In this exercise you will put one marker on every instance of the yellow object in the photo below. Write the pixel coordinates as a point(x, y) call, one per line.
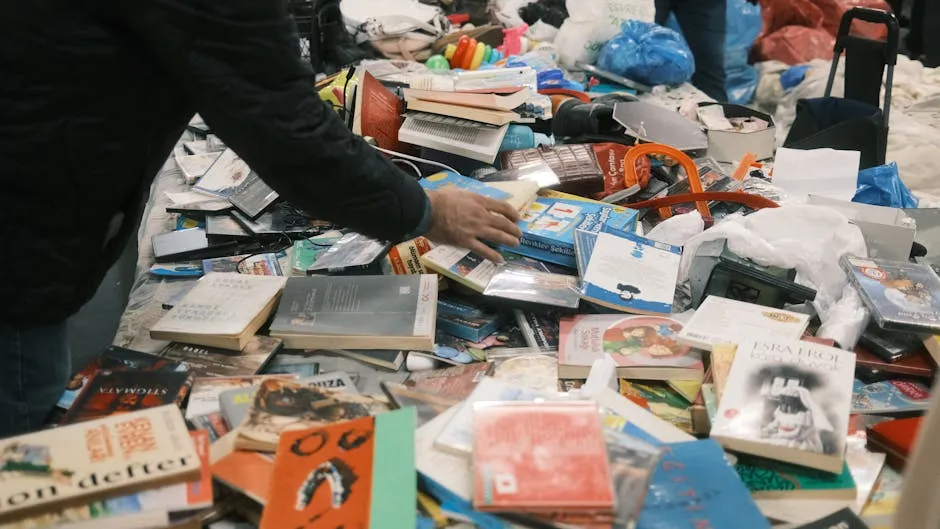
point(329, 93)
point(478, 53)
point(449, 51)
point(432, 509)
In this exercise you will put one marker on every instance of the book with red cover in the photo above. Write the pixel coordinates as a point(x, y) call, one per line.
point(543, 458)
point(894, 438)
point(381, 113)
point(114, 392)
point(918, 365)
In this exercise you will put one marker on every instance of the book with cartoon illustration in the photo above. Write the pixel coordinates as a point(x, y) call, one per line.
point(788, 401)
point(549, 224)
point(722, 320)
point(282, 405)
point(358, 473)
point(625, 272)
point(901, 296)
point(643, 347)
point(889, 397)
point(48, 470)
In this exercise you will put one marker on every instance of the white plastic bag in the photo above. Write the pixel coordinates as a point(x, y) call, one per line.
point(591, 23)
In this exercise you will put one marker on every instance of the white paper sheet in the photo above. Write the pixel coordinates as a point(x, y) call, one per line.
point(825, 172)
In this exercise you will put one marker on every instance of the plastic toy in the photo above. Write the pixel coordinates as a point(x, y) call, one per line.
point(468, 54)
point(437, 63)
point(514, 40)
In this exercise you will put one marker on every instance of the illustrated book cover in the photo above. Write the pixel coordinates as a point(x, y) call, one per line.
point(518, 194)
point(788, 401)
point(723, 320)
point(546, 458)
point(358, 312)
point(643, 347)
point(901, 296)
point(217, 362)
point(117, 392)
point(548, 227)
point(113, 358)
point(768, 479)
point(80, 463)
point(695, 486)
point(204, 397)
point(222, 310)
point(455, 382)
point(282, 406)
point(889, 397)
point(358, 473)
point(625, 272)
point(460, 265)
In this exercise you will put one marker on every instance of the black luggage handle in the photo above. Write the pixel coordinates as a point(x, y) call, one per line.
point(875, 16)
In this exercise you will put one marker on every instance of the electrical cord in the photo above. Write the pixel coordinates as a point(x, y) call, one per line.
point(409, 164)
point(416, 159)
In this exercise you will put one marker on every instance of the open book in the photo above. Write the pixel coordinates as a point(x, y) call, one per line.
point(457, 136)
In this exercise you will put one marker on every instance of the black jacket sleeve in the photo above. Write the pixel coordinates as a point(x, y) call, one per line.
point(237, 61)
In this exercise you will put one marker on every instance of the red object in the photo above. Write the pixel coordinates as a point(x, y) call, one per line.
point(381, 113)
point(610, 156)
point(918, 365)
point(459, 19)
point(895, 438)
point(463, 46)
point(542, 458)
point(794, 45)
point(467, 59)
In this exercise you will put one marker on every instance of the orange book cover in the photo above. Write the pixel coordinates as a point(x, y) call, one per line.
point(895, 438)
point(199, 493)
point(540, 457)
point(381, 113)
point(250, 473)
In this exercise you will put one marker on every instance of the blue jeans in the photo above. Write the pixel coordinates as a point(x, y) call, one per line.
point(35, 365)
point(703, 26)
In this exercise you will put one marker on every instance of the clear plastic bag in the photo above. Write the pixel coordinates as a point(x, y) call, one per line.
point(648, 53)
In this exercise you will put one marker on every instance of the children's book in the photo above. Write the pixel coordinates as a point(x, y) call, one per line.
point(901, 296)
point(460, 265)
point(890, 397)
point(118, 392)
point(526, 454)
point(625, 272)
point(48, 470)
point(519, 194)
point(723, 320)
point(215, 362)
point(788, 401)
point(695, 486)
point(643, 347)
point(549, 224)
point(358, 473)
point(768, 479)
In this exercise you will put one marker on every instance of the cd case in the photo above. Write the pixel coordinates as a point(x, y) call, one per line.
point(901, 296)
point(253, 196)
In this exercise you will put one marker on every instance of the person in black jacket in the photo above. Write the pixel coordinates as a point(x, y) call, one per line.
point(93, 96)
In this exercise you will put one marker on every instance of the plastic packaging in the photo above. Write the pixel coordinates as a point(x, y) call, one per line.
point(882, 186)
point(649, 53)
point(535, 287)
point(743, 25)
point(351, 250)
point(591, 23)
point(795, 45)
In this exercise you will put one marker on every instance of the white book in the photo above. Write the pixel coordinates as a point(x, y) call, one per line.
point(221, 305)
point(457, 436)
point(788, 400)
point(456, 136)
point(721, 320)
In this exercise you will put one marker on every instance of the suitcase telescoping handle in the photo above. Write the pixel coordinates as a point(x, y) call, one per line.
point(890, 57)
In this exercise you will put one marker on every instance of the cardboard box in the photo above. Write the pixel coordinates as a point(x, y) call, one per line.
point(730, 146)
point(888, 232)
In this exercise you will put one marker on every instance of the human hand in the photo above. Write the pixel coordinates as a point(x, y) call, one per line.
point(465, 219)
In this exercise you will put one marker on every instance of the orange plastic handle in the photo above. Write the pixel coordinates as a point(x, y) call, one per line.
point(695, 183)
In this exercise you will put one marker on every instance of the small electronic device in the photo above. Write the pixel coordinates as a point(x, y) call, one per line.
point(194, 243)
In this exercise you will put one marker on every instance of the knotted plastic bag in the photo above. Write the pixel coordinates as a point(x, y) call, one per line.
point(648, 53)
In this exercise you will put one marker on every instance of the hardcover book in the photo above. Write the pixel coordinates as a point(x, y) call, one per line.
point(541, 458)
point(358, 473)
point(77, 464)
point(695, 486)
point(282, 406)
point(217, 362)
point(723, 320)
point(222, 310)
point(643, 347)
point(358, 312)
point(890, 397)
point(901, 296)
point(625, 272)
point(113, 359)
point(548, 227)
point(117, 392)
point(767, 479)
point(788, 401)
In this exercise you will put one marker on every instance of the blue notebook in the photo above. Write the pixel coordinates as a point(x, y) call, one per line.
point(695, 487)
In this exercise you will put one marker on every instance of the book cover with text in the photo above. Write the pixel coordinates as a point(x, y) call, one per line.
point(115, 392)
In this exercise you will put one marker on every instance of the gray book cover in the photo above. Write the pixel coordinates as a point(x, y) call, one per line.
point(391, 305)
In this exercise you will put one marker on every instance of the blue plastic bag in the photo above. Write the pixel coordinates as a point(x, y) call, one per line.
point(648, 53)
point(742, 25)
point(882, 186)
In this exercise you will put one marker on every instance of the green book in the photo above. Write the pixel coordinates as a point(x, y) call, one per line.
point(394, 479)
point(768, 479)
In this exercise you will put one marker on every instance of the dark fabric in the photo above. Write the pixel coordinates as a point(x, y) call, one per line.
point(36, 368)
point(864, 69)
point(94, 94)
point(703, 26)
point(836, 123)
